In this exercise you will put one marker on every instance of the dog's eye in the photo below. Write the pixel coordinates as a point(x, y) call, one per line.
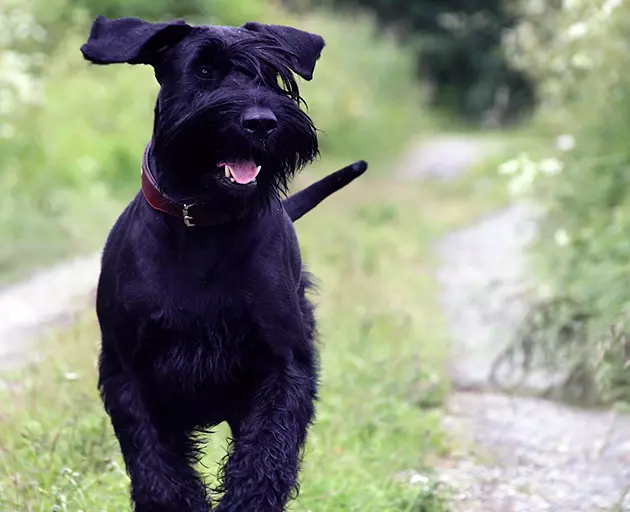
point(205, 72)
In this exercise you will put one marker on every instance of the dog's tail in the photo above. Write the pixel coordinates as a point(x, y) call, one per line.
point(305, 200)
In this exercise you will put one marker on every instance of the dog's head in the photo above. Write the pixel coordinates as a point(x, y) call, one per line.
point(228, 122)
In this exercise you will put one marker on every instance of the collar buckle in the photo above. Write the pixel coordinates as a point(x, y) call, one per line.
point(188, 220)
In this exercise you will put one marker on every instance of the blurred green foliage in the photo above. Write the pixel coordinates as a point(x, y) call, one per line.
point(71, 134)
point(579, 53)
point(459, 51)
point(54, 14)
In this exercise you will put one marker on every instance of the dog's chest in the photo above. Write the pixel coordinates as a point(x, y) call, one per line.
point(195, 359)
point(190, 336)
point(208, 311)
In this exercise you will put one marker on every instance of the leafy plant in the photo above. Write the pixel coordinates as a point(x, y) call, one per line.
point(578, 51)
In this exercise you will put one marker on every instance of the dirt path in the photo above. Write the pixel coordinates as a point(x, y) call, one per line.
point(443, 157)
point(50, 297)
point(515, 454)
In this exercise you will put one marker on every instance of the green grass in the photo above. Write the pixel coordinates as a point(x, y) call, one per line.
point(383, 348)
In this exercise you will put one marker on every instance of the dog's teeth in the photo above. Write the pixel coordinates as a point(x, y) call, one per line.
point(258, 169)
point(227, 171)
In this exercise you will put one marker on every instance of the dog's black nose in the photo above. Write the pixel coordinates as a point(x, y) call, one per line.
point(259, 121)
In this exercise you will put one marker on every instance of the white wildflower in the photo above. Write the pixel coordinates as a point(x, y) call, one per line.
point(509, 167)
point(518, 186)
point(565, 142)
point(71, 376)
point(561, 237)
point(609, 6)
point(545, 291)
point(551, 166)
point(521, 184)
point(19, 85)
point(577, 30)
point(417, 479)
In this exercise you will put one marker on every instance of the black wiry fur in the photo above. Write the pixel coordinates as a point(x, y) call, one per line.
point(209, 324)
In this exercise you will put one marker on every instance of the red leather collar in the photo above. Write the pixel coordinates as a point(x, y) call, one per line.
point(193, 214)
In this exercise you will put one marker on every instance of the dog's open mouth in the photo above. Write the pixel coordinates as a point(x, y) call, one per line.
point(241, 172)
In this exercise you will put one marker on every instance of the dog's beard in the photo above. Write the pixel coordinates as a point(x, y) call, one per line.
point(192, 152)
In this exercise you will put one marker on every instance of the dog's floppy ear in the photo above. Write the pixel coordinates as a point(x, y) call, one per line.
point(131, 40)
point(305, 46)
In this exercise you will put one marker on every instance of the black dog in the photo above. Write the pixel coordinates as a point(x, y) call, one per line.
point(201, 299)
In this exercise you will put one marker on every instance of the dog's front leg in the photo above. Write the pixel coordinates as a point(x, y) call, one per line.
point(262, 470)
point(156, 455)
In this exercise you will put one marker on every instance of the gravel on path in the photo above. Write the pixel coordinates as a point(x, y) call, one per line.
point(445, 157)
point(516, 454)
point(30, 308)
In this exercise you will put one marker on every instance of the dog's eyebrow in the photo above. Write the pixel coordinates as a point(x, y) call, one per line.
point(211, 48)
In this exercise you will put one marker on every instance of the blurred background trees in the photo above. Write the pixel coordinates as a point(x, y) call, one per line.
point(458, 51)
point(457, 44)
point(71, 133)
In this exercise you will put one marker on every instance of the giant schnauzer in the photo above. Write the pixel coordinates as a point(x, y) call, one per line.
point(201, 299)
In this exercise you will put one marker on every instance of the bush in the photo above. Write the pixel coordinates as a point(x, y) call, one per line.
point(459, 52)
point(68, 164)
point(579, 52)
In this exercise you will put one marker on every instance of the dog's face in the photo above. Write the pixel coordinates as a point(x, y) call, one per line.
point(228, 122)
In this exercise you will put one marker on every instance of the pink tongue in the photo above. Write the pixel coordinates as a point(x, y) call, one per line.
point(243, 172)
